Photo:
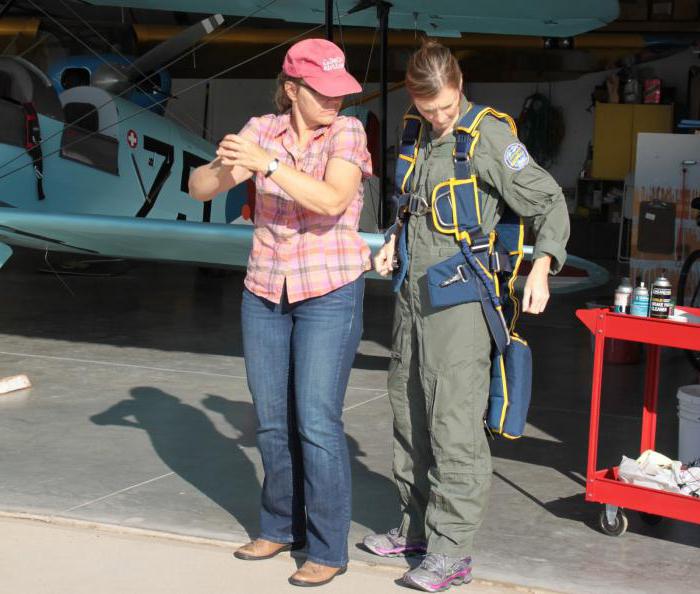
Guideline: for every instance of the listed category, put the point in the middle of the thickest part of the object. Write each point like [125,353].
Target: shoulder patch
[516,156]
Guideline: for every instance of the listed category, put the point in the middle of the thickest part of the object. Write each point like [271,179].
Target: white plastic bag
[656,471]
[648,474]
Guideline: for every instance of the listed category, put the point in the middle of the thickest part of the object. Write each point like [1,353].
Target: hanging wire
[143,109]
[58,276]
[12,41]
[360,100]
[32,47]
[340,26]
[371,49]
[212,37]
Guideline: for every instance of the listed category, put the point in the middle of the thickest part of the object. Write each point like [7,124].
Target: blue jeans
[298,359]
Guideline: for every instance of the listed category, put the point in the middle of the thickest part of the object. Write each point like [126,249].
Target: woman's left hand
[536,293]
[238,151]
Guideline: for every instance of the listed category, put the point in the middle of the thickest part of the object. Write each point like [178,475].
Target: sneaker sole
[457,581]
[395,552]
[305,584]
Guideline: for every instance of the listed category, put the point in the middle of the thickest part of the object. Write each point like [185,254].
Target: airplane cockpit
[23,88]
[85,117]
[26,92]
[92,125]
[82,71]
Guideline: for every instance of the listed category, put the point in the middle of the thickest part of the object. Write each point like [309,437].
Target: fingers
[227,158]
[535,302]
[382,262]
[233,139]
[235,150]
[226,154]
[540,304]
[231,157]
[232,146]
[527,299]
[381,265]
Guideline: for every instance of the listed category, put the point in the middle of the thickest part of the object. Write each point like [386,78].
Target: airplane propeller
[116,79]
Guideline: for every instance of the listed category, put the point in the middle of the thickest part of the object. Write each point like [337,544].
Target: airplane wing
[208,244]
[125,237]
[447,18]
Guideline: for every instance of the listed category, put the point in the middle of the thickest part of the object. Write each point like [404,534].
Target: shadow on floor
[374,496]
[189,443]
[218,467]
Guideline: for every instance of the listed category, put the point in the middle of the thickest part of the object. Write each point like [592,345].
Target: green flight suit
[440,361]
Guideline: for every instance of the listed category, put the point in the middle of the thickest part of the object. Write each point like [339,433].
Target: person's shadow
[375,498]
[189,443]
[375,502]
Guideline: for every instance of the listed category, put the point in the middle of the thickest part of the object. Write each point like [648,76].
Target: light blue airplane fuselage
[75,187]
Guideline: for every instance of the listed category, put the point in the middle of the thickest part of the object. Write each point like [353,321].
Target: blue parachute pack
[483,271]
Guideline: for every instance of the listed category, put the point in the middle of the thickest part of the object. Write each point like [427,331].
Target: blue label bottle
[640,301]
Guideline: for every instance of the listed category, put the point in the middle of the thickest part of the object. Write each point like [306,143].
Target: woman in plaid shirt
[302,302]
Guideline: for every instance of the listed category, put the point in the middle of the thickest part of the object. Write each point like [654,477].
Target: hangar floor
[140,416]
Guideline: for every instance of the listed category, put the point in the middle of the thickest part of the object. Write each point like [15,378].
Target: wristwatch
[272,167]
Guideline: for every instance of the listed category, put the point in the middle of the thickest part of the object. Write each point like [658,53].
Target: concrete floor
[65,556]
[140,416]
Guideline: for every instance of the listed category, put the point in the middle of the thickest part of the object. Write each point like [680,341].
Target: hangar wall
[233,101]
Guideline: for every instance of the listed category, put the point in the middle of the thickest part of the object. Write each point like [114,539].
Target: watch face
[272,167]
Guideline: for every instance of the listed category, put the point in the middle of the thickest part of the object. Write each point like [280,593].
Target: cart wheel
[618,527]
[650,519]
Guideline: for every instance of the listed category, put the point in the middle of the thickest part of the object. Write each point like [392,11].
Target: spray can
[623,296]
[640,301]
[660,301]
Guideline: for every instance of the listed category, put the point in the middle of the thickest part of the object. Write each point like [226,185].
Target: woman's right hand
[384,260]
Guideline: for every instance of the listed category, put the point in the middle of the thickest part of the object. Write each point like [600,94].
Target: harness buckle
[495,262]
[460,156]
[417,205]
[460,275]
[399,204]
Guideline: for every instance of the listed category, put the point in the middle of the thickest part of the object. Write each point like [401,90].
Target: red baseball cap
[321,64]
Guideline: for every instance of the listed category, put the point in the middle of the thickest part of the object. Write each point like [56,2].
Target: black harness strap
[32,144]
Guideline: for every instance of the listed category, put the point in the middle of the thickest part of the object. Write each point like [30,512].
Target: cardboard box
[634,10]
[686,10]
[661,10]
[678,10]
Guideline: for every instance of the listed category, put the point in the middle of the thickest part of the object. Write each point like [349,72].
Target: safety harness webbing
[457,205]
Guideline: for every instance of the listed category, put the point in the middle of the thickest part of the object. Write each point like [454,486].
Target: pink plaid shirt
[314,253]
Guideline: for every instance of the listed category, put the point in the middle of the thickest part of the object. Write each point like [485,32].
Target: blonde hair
[282,101]
[432,68]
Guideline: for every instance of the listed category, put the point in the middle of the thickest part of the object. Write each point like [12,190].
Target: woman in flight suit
[439,373]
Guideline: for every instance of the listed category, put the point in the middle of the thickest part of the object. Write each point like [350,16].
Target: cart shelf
[604,486]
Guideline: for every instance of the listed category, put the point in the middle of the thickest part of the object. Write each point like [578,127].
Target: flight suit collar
[464,107]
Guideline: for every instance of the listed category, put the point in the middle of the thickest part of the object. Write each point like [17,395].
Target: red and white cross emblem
[132,139]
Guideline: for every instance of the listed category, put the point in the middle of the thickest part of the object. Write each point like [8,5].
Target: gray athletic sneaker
[392,545]
[438,572]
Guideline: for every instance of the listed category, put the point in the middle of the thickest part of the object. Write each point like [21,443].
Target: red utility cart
[603,486]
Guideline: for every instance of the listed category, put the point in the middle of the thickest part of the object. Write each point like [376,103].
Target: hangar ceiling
[43,30]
